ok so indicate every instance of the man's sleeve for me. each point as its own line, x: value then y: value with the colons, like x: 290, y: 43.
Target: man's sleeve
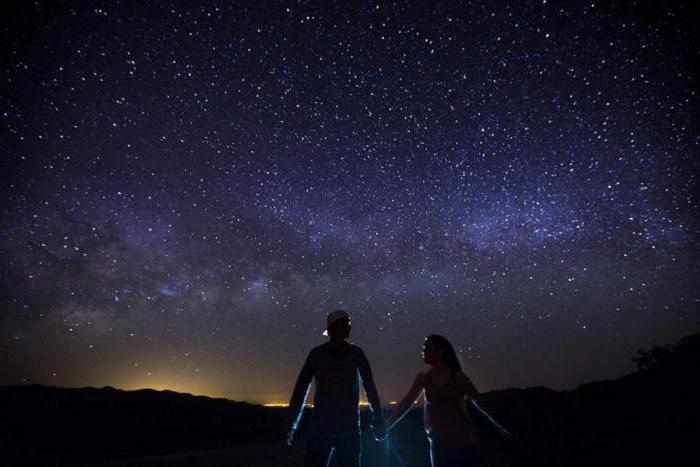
x: 370, y: 388
x: 301, y: 389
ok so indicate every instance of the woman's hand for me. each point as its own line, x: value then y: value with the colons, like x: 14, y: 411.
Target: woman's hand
x: 505, y: 434
x: 290, y: 437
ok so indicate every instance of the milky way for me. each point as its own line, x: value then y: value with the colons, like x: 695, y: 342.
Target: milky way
x: 188, y: 190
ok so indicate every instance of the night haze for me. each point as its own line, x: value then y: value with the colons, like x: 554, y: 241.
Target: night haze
x: 189, y: 190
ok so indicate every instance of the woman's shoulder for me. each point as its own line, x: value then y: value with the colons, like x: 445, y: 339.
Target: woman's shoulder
x: 464, y: 383
x: 421, y: 378
x: 459, y: 377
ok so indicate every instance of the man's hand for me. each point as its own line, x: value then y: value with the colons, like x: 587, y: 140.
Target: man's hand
x: 290, y: 437
x: 379, y: 430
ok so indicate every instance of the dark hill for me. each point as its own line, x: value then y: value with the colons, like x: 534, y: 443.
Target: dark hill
x: 49, y: 425
x: 649, y: 417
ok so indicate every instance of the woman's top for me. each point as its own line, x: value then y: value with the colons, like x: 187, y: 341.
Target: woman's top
x: 445, y: 413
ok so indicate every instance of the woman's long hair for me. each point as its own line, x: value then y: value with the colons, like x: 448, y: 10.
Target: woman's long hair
x: 448, y: 352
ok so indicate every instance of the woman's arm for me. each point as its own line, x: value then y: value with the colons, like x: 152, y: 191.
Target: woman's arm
x: 407, y: 401
x: 466, y: 385
x: 470, y: 390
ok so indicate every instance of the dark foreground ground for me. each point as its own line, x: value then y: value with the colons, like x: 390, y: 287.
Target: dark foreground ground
x: 651, y: 417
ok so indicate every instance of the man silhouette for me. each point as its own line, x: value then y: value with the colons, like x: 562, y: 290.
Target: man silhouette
x: 336, y: 367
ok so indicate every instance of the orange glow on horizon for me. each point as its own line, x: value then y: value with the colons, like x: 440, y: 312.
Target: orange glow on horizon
x: 201, y: 386
x: 285, y: 404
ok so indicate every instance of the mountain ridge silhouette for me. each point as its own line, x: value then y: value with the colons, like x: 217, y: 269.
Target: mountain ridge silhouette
x: 648, y: 417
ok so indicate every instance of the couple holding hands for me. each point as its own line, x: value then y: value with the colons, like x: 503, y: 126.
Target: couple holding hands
x: 337, y: 367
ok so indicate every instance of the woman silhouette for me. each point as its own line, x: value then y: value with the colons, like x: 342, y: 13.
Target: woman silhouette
x: 449, y: 427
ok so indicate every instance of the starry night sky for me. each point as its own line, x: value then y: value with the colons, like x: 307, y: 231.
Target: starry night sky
x: 188, y: 189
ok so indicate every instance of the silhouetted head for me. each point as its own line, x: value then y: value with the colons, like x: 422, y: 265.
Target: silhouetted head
x: 437, y: 348
x: 337, y: 325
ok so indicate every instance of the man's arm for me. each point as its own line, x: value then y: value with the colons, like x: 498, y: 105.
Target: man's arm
x: 301, y: 389
x: 370, y: 390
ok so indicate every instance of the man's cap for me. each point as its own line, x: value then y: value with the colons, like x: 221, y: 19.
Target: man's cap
x: 334, y: 316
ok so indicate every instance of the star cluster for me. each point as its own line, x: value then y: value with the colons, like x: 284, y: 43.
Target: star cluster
x: 189, y: 189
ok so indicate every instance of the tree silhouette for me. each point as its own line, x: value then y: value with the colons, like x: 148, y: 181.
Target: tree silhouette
x: 686, y: 350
